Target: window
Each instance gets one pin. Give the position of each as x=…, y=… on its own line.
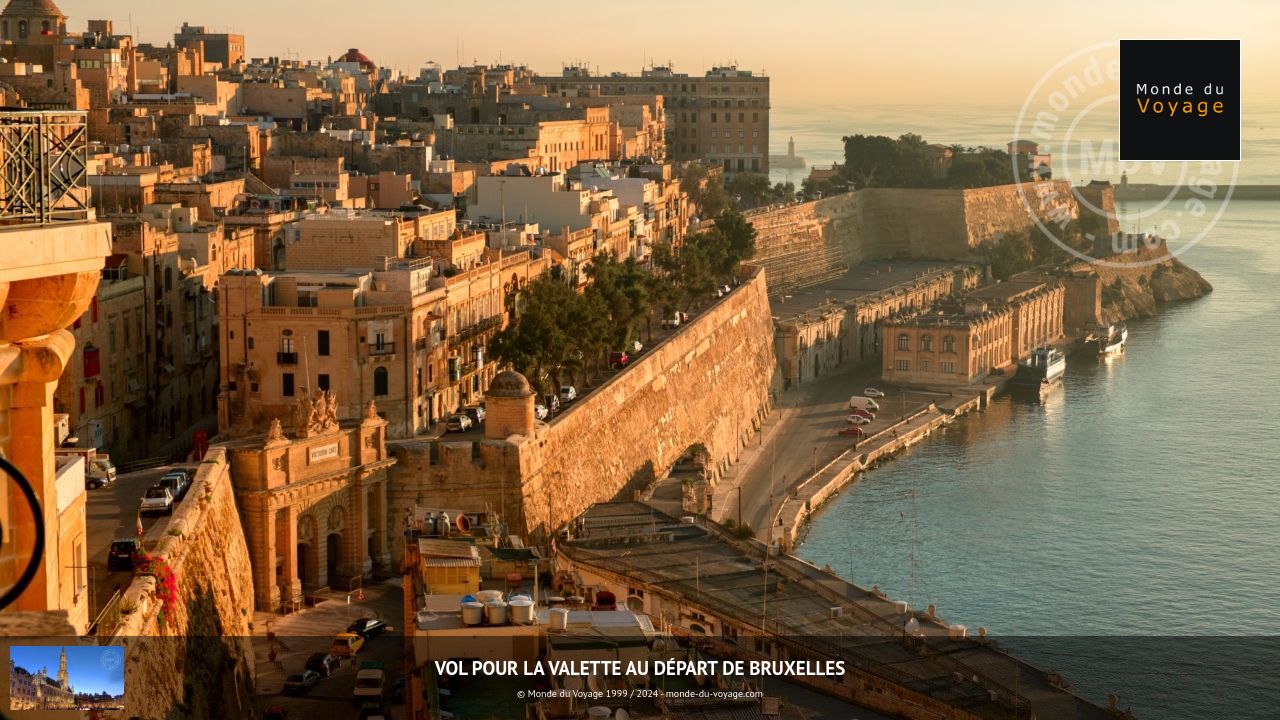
x=322, y=381
x=903, y=365
x=99, y=395
x=286, y=344
x=713, y=117
x=948, y=344
x=322, y=342
x=904, y=342
x=380, y=381
x=287, y=385
x=947, y=367
x=926, y=343
x=924, y=366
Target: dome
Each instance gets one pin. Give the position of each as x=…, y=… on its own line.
x=509, y=383
x=352, y=56
x=38, y=8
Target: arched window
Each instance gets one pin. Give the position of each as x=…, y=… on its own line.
x=926, y=343
x=380, y=381
x=904, y=342
x=44, y=26
x=22, y=29
x=948, y=344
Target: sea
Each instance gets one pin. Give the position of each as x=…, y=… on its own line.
x=1125, y=530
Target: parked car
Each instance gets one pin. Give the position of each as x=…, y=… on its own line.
x=458, y=423
x=865, y=403
x=872, y=393
x=863, y=413
x=726, y=289
x=854, y=419
x=300, y=683
x=637, y=347
x=619, y=359
x=177, y=483
x=367, y=627
x=853, y=431
x=123, y=554
x=323, y=663
x=346, y=644
x=552, y=401
x=541, y=412
x=475, y=412
x=370, y=684
x=672, y=320
x=157, y=501
x=684, y=317
x=568, y=394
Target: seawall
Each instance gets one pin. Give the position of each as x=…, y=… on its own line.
x=194, y=660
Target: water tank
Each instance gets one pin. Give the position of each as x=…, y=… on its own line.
x=488, y=596
x=900, y=606
x=521, y=611
x=442, y=525
x=472, y=613
x=956, y=632
x=429, y=524
x=559, y=619
x=496, y=612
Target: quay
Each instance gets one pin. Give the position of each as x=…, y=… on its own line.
x=738, y=598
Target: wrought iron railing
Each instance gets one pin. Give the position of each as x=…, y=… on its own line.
x=43, y=167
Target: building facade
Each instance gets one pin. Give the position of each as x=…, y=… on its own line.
x=949, y=348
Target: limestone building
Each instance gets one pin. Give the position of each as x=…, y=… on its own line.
x=313, y=501
x=51, y=256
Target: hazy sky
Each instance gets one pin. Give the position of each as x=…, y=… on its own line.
x=815, y=50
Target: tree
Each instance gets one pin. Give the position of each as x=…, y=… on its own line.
x=707, y=195
x=867, y=157
x=750, y=190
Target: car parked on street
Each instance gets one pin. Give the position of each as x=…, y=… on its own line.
x=300, y=683
x=346, y=644
x=552, y=401
x=367, y=627
x=458, y=423
x=672, y=320
x=177, y=482
x=854, y=419
x=872, y=393
x=158, y=500
x=853, y=431
x=370, y=684
x=863, y=413
x=123, y=554
x=568, y=394
x=323, y=663
x=541, y=412
x=618, y=359
x=475, y=412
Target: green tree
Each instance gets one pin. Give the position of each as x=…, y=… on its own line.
x=749, y=190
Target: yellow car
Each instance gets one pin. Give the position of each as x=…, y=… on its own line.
x=346, y=644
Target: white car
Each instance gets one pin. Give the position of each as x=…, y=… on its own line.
x=568, y=393
x=857, y=420
x=872, y=393
x=540, y=411
x=458, y=423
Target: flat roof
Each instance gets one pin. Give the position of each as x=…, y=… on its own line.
x=861, y=281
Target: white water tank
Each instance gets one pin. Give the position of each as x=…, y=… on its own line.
x=488, y=596
x=559, y=619
x=496, y=612
x=472, y=613
x=442, y=525
x=521, y=611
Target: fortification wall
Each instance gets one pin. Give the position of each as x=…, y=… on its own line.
x=709, y=383
x=195, y=661
x=808, y=243
x=1136, y=283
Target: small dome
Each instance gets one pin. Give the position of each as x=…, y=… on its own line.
x=355, y=56
x=38, y=8
x=509, y=383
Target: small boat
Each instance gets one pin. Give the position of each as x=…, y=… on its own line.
x=1111, y=341
x=1043, y=368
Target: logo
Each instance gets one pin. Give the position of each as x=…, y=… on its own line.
x=1068, y=128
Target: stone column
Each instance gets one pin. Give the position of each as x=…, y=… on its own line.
x=261, y=536
x=380, y=526
x=287, y=545
x=355, y=555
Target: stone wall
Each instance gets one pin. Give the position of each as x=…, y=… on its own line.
x=808, y=243
x=1136, y=283
x=196, y=662
x=707, y=384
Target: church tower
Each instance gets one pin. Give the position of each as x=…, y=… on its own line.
x=63, y=681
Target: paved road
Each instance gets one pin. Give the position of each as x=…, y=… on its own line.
x=299, y=635
x=112, y=512
x=801, y=436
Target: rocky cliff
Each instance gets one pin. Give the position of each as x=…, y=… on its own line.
x=1137, y=286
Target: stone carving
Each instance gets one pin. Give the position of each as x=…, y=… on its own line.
x=275, y=433
x=317, y=414
x=370, y=411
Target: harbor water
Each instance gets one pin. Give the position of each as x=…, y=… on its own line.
x=1125, y=531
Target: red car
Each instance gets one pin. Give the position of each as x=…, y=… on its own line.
x=619, y=359
x=864, y=413
x=853, y=431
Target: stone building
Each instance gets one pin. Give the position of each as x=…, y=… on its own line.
x=721, y=117
x=223, y=48
x=948, y=347
x=313, y=501
x=1038, y=306
x=51, y=256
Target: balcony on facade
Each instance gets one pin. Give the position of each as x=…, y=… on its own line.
x=43, y=168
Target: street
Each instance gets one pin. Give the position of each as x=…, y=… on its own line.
x=297, y=636
x=112, y=512
x=801, y=436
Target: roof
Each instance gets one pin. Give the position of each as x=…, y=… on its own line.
x=448, y=553
x=32, y=7
x=509, y=383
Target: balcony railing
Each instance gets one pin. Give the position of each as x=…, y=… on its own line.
x=287, y=358
x=43, y=167
x=484, y=325
x=386, y=348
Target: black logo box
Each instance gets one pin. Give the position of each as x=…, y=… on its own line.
x=1181, y=66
